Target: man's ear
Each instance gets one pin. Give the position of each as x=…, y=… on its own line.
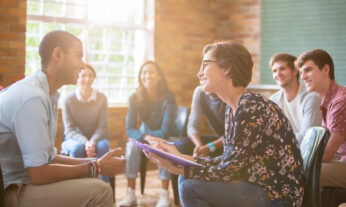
x=57, y=54
x=326, y=69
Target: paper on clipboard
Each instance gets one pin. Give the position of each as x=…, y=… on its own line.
x=171, y=157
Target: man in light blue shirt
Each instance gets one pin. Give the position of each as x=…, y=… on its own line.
x=34, y=175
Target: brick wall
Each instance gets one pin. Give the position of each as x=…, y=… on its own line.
x=182, y=28
x=240, y=20
x=12, y=40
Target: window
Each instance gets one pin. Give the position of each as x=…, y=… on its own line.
x=117, y=37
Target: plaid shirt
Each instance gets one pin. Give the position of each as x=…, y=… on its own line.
x=333, y=110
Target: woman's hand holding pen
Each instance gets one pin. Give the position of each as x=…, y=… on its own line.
x=164, y=145
x=152, y=140
x=165, y=163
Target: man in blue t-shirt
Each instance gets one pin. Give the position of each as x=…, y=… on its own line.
x=34, y=175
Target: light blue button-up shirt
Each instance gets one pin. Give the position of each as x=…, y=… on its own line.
x=28, y=121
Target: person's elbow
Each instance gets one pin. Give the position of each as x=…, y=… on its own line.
x=36, y=175
x=327, y=156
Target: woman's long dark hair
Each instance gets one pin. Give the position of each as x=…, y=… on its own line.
x=141, y=92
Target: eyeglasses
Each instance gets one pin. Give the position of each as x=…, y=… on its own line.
x=206, y=61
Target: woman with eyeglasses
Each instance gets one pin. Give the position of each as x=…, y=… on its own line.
x=261, y=164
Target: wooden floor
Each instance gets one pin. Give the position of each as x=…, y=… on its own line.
x=151, y=191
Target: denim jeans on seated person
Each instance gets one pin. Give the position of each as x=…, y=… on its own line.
x=76, y=149
x=218, y=194
x=133, y=158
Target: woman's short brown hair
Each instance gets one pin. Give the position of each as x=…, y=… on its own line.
x=229, y=54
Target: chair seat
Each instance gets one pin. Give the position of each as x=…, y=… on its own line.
x=2, y=190
x=333, y=197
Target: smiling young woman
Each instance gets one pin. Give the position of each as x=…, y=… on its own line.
x=154, y=106
x=85, y=117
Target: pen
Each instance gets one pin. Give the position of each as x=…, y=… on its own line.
x=167, y=142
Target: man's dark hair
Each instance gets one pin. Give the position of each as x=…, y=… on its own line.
x=52, y=40
x=285, y=57
x=320, y=58
x=233, y=55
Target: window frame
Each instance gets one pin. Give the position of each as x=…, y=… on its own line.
x=147, y=27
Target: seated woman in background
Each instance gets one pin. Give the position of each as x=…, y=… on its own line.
x=154, y=106
x=261, y=164
x=85, y=117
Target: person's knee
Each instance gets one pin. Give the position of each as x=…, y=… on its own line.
x=185, y=186
x=132, y=151
x=101, y=189
x=164, y=174
x=78, y=151
x=102, y=147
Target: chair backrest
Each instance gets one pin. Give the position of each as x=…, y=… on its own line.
x=312, y=149
x=2, y=190
x=181, y=120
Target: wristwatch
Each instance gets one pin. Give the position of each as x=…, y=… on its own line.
x=211, y=147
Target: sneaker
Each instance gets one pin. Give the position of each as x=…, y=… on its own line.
x=130, y=198
x=164, y=199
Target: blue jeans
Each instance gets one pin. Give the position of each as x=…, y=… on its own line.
x=133, y=158
x=217, y=194
x=76, y=149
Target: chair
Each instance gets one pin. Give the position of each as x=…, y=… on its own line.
x=312, y=149
x=333, y=196
x=180, y=124
x=2, y=190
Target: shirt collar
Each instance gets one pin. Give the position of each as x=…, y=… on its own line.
x=91, y=98
x=330, y=94
x=42, y=79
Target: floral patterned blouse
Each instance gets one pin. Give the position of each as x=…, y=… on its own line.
x=260, y=148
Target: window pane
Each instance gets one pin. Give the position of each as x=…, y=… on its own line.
x=115, y=51
x=32, y=56
x=124, y=11
x=76, y=2
x=54, y=9
x=48, y=27
x=34, y=7
x=33, y=41
x=116, y=70
x=76, y=9
x=75, y=29
x=130, y=70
